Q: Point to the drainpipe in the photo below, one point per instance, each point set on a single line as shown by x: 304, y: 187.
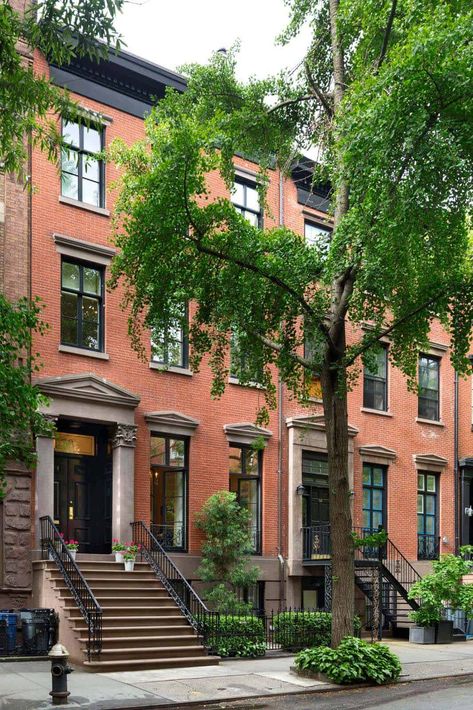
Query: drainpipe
x: 282, y: 594
x: 457, y: 491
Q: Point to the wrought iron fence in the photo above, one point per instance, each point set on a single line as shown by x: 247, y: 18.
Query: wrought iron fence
x: 171, y: 537
x: 428, y: 547
x: 28, y: 632
x: 316, y: 542
x: 53, y: 548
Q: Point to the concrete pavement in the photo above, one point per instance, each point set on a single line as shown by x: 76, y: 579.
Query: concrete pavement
x: 25, y: 686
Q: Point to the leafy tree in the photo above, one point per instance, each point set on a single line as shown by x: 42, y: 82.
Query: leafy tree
x: 19, y: 400
x: 225, y: 551
x: 61, y: 31
x: 386, y: 94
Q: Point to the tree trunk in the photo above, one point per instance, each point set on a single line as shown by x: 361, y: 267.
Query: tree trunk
x: 336, y: 425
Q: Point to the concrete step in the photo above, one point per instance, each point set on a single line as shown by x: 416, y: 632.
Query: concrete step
x: 155, y: 663
x: 144, y: 641
x: 100, y: 583
x: 142, y: 632
x: 114, y: 599
x: 167, y: 652
x: 115, y: 620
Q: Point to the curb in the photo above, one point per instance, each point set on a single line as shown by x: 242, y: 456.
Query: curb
x: 327, y: 688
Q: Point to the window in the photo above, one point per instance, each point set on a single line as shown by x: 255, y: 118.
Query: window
x: 240, y: 366
x: 82, y: 175
x: 429, y: 387
x: 245, y: 466
x: 246, y: 201
x: 315, y: 506
x: 168, y: 479
x: 313, y: 382
x: 374, y: 498
x: 317, y: 235
x: 427, y: 517
x: 375, y: 383
x: 171, y: 347
x: 81, y: 305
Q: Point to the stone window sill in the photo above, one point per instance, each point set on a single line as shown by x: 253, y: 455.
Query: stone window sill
x: 382, y: 413
x: 84, y: 206
x: 430, y: 421
x: 82, y: 351
x: 170, y: 368
x: 252, y: 385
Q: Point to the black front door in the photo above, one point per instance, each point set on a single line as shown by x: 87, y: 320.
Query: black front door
x: 81, y: 500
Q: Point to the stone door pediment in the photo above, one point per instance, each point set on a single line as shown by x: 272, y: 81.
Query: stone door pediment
x: 87, y: 387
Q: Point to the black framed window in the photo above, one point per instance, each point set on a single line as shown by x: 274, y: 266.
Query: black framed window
x: 312, y: 379
x: 82, y: 175
x: 429, y: 387
x: 245, y: 199
x: 82, y: 287
x: 245, y: 467
x: 171, y: 347
x: 427, y: 516
x: 168, y: 480
x: 375, y: 383
x: 317, y: 235
x: 374, y: 497
x: 241, y: 367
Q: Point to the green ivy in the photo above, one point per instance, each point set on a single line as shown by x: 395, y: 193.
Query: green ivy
x: 353, y: 661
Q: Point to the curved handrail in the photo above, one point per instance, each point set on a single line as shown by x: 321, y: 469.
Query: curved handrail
x: 53, y: 547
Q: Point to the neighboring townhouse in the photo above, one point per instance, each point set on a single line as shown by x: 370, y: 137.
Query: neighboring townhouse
x: 143, y: 441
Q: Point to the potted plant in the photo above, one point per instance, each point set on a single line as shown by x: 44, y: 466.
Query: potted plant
x: 439, y: 593
x: 72, y: 546
x: 118, y: 548
x: 130, y: 556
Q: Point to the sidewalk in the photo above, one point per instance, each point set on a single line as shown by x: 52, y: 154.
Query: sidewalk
x: 25, y: 686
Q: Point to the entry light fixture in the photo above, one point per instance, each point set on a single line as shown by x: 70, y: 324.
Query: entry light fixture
x: 300, y: 490
x: 469, y: 511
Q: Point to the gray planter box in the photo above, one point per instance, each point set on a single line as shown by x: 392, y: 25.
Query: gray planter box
x: 422, y: 634
x: 444, y: 632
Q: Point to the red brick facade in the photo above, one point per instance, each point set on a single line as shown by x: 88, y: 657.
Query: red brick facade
x: 398, y: 430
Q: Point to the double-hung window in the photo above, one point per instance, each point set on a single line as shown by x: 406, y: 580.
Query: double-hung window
x: 82, y: 305
x: 245, y: 466
x: 317, y: 235
x: 245, y: 199
x: 429, y: 387
x: 427, y: 516
x: 241, y: 367
x: 169, y: 475
x: 171, y: 347
x: 375, y: 383
x: 82, y: 174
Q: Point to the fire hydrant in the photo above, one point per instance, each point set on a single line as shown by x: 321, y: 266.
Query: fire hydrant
x: 60, y: 669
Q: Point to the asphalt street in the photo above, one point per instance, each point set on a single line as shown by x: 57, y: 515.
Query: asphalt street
x: 441, y: 694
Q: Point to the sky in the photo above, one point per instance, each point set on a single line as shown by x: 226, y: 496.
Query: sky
x: 175, y: 32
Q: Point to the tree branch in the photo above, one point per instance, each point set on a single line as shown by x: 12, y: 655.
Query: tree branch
x: 387, y: 34
x: 277, y: 347
x: 372, y: 341
x: 211, y: 251
x: 290, y: 102
x: 317, y: 91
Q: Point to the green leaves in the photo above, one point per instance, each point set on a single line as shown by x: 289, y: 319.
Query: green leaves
x: 353, y: 661
x: 19, y: 400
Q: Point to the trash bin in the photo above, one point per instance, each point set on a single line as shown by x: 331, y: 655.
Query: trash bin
x: 38, y: 631
x: 8, y: 621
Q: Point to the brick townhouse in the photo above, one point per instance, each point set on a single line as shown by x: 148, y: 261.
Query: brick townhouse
x: 143, y: 440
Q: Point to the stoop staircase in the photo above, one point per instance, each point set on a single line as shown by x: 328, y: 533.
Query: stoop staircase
x: 120, y: 620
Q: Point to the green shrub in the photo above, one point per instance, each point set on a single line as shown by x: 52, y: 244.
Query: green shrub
x: 241, y: 636
x: 302, y: 629
x: 354, y: 661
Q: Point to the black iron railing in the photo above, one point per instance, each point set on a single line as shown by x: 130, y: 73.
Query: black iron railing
x: 171, y: 537
x: 428, y: 547
x: 27, y: 632
x: 174, y: 582
x: 316, y: 542
x: 53, y: 548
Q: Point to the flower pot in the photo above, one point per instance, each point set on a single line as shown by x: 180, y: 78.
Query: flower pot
x: 129, y: 565
x: 444, y: 632
x: 73, y: 554
x: 118, y: 556
x: 422, y: 634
